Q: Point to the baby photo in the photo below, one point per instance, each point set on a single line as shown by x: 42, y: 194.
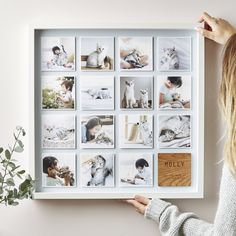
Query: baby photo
x: 174, y: 131
x: 97, y: 53
x: 174, y: 92
x: 97, y: 170
x: 136, y: 131
x: 136, y: 92
x: 58, y: 92
x: 97, y: 131
x: 174, y: 53
x: 135, y: 170
x: 136, y: 53
x: 58, y: 131
x: 58, y: 170
x: 57, y: 53
x: 97, y: 92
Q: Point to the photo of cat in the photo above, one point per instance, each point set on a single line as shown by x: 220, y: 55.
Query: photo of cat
x: 174, y: 53
x: 135, y: 170
x: 97, y: 53
x: 57, y: 53
x: 58, y: 92
x: 97, y: 92
x: 136, y: 131
x: 174, y: 92
x: 58, y: 131
x: 58, y: 170
x: 136, y: 92
x: 97, y: 131
x: 97, y: 170
x: 174, y: 131
x: 136, y: 53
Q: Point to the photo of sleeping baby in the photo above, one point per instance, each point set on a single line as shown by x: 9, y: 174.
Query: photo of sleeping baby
x: 97, y: 92
x: 57, y: 53
x: 58, y: 170
x: 135, y: 170
x: 97, y: 53
x: 174, y: 53
x: 97, y: 131
x: 136, y: 53
x: 58, y: 131
x: 174, y: 92
x: 97, y: 170
x: 58, y: 92
x: 174, y: 131
x: 136, y: 131
x: 136, y: 92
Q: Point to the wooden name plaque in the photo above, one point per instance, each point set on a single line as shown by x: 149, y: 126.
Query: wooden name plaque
x: 174, y: 169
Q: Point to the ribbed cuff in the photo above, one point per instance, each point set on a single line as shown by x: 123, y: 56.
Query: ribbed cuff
x: 155, y: 208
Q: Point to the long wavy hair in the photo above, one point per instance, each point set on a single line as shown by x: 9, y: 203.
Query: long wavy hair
x: 227, y: 101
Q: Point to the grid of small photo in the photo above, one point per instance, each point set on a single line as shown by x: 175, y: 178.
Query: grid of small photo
x: 116, y: 111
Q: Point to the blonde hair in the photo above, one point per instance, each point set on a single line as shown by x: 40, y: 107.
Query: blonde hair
x: 227, y: 100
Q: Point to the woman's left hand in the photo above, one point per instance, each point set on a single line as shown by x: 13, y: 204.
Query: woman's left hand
x: 139, y: 203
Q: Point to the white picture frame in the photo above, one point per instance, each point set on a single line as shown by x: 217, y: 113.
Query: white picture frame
x: 197, y: 109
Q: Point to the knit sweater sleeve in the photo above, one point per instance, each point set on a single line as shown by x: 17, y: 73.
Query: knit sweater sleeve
x: 173, y: 223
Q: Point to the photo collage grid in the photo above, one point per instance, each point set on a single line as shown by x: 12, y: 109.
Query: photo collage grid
x: 80, y: 123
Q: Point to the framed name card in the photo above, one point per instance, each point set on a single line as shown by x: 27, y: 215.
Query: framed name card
x: 116, y: 112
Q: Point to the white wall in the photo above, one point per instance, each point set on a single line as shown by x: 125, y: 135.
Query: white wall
x: 97, y: 217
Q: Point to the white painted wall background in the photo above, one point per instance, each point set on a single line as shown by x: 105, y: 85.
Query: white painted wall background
x: 102, y: 217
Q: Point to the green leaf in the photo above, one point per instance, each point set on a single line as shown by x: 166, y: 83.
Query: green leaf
x: 7, y: 154
x: 11, y: 164
x: 1, y: 190
x: 19, y: 175
x: 1, y: 150
x: 23, y: 132
x: 16, y: 167
x: 11, y: 174
x: 18, y: 149
x: 21, y: 172
x: 20, y: 143
x: 10, y: 182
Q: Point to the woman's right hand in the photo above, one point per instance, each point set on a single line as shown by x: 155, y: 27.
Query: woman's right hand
x: 216, y: 29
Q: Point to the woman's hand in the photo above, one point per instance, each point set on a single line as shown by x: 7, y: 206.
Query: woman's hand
x: 140, y: 203
x: 216, y: 29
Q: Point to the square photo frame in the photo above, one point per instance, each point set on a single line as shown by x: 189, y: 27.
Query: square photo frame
x: 58, y: 131
x: 58, y: 92
x: 56, y: 136
x: 59, y: 170
x: 135, y: 170
x: 135, y: 53
x: 174, y: 92
x: 136, y: 92
x: 97, y: 131
x: 175, y: 131
x: 97, y: 170
x: 174, y: 53
x: 136, y: 131
x: 97, y: 54
x: 97, y: 92
x: 58, y: 53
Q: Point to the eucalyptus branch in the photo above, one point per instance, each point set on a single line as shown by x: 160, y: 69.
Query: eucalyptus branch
x: 9, y: 192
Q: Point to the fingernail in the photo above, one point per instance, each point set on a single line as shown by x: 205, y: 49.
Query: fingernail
x: 196, y: 28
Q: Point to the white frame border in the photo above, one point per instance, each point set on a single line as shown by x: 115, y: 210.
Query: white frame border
x: 200, y: 109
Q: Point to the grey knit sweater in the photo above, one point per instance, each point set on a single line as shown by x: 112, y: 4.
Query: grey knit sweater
x: 174, y: 223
